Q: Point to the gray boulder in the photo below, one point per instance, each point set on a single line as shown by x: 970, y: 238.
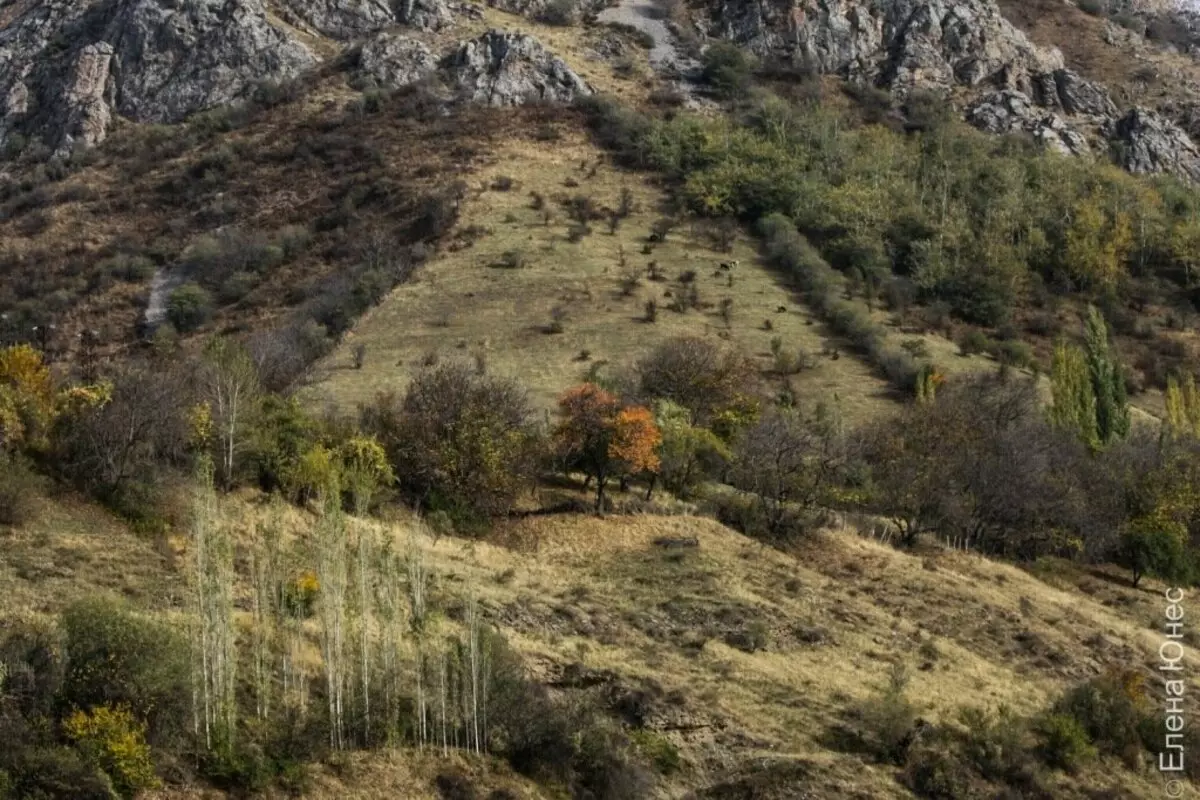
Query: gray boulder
x: 394, y: 61
x: 1066, y: 90
x: 1150, y: 143
x: 1010, y: 111
x: 509, y: 69
x: 66, y: 71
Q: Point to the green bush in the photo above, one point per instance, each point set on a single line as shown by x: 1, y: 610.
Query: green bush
x: 889, y: 719
x: 1111, y: 711
x: 1063, y: 742
x: 189, y: 307
x: 19, y: 488
x: 974, y: 342
x: 56, y: 773
x: 727, y: 68
x: 115, y: 657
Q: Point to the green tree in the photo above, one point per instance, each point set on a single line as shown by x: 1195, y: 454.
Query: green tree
x: 1088, y: 387
x: 1074, y: 404
x: 1155, y: 547
x: 1108, y: 380
x: 688, y: 452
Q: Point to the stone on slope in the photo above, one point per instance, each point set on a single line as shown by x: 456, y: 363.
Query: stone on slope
x: 1150, y: 143
x: 348, y: 19
x: 1067, y: 90
x: 1009, y: 111
x: 508, y: 69
x: 901, y: 44
x: 394, y: 60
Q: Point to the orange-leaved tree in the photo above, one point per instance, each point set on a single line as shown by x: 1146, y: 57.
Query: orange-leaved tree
x: 604, y: 439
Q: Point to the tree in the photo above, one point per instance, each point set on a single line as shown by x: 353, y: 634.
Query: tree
x: 1097, y: 245
x: 1088, y: 386
x: 598, y: 436
x: 460, y: 441
x: 110, y: 447
x: 229, y: 381
x: 1155, y: 547
x: 1183, y: 407
x: 189, y: 307
x: 28, y: 398
x: 1108, y: 380
x: 1074, y: 404
x: 688, y: 452
x: 697, y: 374
x: 788, y: 459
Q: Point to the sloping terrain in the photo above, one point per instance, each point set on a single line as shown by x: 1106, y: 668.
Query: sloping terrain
x: 750, y: 661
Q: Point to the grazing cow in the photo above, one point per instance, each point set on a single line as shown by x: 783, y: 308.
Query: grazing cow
x: 728, y: 265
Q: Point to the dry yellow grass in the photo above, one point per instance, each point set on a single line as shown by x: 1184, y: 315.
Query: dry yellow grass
x: 462, y: 304
x: 597, y: 595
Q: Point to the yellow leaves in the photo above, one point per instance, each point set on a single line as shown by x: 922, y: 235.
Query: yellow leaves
x: 113, y: 740
x: 200, y: 426
x: 1097, y: 244
x: 317, y: 471
x: 28, y: 399
x: 1183, y: 407
x: 365, y: 461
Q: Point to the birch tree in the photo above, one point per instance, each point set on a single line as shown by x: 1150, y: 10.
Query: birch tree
x: 230, y: 381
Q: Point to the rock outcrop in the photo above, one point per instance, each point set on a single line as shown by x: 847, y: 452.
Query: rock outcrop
x: 1066, y: 90
x: 1150, y: 143
x: 349, y: 19
x: 393, y: 61
x: 553, y: 10
x: 65, y: 71
x: 508, y: 69
x: 900, y: 44
x: 1010, y: 111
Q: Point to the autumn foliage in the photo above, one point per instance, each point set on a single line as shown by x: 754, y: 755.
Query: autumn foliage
x: 604, y: 439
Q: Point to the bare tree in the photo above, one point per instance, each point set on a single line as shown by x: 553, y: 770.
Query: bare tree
x: 230, y: 383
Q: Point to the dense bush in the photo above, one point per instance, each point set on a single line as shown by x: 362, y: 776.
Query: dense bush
x: 189, y: 307
x: 115, y: 657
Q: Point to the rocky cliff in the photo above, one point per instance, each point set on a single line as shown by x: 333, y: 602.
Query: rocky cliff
x: 67, y: 69
x: 947, y: 47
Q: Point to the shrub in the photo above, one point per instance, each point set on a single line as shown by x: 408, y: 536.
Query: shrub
x: 189, y: 307
x: 117, y: 658
x: 995, y: 743
x: 1063, y: 743
x: 658, y: 750
x: 560, y: 12
x: 727, y: 68
x: 889, y: 720
x: 1097, y: 8
x: 974, y: 342
x: 934, y: 771
x: 113, y: 740
x: 1110, y: 710
x: 56, y: 772
x: 19, y: 487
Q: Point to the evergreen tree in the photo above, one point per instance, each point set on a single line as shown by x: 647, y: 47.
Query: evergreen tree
x: 1108, y: 381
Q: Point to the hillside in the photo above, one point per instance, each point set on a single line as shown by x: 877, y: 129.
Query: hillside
x: 556, y: 399
x: 748, y: 660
